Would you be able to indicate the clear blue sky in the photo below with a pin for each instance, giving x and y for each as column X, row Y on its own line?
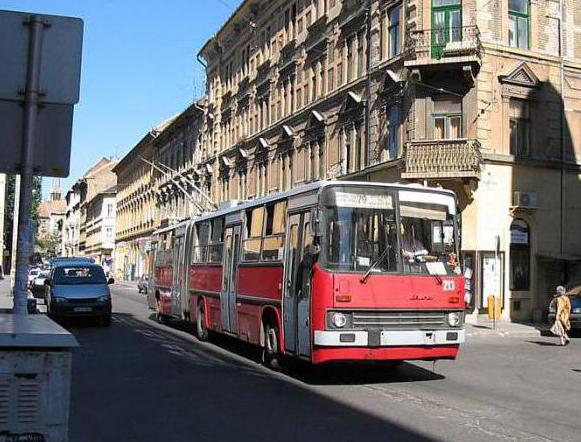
column 139, row 67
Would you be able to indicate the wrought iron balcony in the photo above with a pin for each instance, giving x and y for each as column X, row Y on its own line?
column 442, row 45
column 454, row 158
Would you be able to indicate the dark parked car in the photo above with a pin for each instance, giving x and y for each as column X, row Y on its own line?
column 79, row 290
column 142, row 284
column 575, row 296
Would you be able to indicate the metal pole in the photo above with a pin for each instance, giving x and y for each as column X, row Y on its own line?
column 31, row 101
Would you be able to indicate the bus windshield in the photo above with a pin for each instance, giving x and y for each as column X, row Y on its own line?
column 359, row 227
column 428, row 242
column 361, row 233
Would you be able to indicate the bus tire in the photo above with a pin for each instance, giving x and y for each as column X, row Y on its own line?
column 201, row 330
column 270, row 351
column 159, row 316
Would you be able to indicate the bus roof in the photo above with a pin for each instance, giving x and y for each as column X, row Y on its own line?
column 311, row 187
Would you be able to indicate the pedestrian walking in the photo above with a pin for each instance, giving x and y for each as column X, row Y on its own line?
column 562, row 324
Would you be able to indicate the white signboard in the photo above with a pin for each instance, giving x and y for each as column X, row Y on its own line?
column 362, row 200
column 62, row 40
column 59, row 54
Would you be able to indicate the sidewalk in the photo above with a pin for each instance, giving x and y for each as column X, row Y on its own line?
column 6, row 301
column 128, row 284
column 505, row 329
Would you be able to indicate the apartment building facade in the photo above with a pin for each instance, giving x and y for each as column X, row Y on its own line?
column 179, row 155
column 97, row 179
column 137, row 207
column 476, row 96
column 100, row 227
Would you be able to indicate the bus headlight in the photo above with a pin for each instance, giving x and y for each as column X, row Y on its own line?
column 339, row 319
column 453, row 319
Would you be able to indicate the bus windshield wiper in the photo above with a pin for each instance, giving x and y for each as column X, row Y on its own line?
column 381, row 258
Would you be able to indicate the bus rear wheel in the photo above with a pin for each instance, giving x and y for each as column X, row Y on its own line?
column 201, row 330
column 270, row 352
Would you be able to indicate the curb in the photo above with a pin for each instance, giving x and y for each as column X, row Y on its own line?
column 535, row 333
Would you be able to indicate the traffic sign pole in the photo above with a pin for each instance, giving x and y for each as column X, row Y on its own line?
column 25, row 225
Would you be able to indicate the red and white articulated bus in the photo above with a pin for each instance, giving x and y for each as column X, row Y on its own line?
column 331, row 271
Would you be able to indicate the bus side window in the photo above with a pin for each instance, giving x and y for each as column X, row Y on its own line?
column 273, row 244
column 254, row 226
column 215, row 249
column 203, row 234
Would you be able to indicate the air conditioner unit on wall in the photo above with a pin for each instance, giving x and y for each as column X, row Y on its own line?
column 525, row 200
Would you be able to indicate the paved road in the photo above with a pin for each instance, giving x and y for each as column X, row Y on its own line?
column 141, row 381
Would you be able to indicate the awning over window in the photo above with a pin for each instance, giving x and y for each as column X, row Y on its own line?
column 209, row 169
column 262, row 143
column 317, row 116
column 226, row 161
column 243, row 152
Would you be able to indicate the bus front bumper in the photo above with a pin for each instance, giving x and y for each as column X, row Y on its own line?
column 389, row 338
column 386, row 345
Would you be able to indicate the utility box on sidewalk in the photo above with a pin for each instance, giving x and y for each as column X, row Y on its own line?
column 35, row 379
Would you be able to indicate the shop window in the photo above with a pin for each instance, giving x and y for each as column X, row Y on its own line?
column 447, row 118
column 518, row 23
column 520, row 253
column 519, row 128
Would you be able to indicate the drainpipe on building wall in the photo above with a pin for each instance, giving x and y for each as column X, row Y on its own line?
column 563, row 122
column 368, row 88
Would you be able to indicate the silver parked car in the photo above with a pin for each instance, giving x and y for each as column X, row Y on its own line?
column 79, row 290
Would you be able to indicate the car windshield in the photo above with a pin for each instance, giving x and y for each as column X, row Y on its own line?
column 68, row 275
column 360, row 229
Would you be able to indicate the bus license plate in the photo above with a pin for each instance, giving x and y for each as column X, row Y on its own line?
column 83, row 309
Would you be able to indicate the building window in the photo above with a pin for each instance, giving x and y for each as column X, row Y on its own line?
column 110, row 211
column 349, row 60
column 360, row 56
column 447, row 118
column 519, row 255
column 518, row 23
column 394, row 31
column 519, row 128
column 393, row 138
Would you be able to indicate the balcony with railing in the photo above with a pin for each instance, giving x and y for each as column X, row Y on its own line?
column 452, row 158
column 443, row 45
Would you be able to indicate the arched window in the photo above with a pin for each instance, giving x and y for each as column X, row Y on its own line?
column 520, row 252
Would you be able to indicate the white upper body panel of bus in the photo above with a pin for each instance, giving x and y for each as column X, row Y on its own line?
column 407, row 193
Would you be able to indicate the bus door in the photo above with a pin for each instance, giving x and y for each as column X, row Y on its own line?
column 151, row 301
column 178, row 275
column 297, row 296
column 230, row 278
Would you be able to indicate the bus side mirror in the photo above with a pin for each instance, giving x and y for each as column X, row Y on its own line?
column 313, row 250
